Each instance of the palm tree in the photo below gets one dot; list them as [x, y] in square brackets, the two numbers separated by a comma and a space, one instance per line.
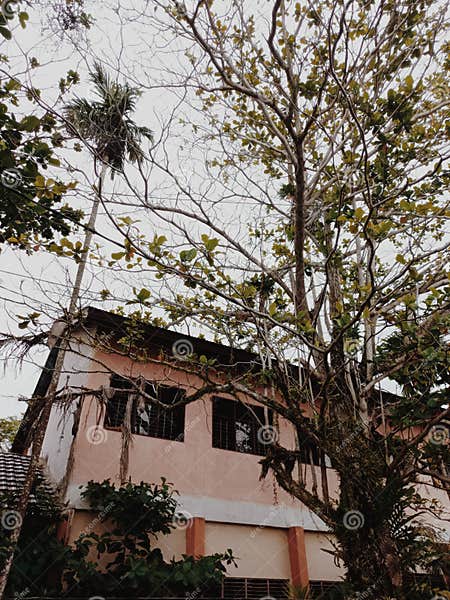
[114, 139]
[106, 123]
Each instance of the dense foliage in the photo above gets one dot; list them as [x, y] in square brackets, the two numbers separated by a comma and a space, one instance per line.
[115, 554]
[8, 430]
[32, 207]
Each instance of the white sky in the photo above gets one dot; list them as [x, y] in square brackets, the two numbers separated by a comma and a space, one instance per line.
[41, 282]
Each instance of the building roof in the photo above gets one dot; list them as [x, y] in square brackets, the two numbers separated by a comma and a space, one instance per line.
[13, 472]
[158, 338]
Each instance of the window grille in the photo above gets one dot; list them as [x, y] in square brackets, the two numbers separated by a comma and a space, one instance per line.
[146, 418]
[323, 589]
[310, 453]
[236, 426]
[254, 589]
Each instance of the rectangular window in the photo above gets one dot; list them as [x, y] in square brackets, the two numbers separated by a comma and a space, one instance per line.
[254, 589]
[324, 589]
[237, 426]
[146, 418]
[310, 453]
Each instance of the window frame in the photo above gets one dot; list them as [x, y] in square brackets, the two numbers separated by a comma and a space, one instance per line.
[179, 414]
[239, 413]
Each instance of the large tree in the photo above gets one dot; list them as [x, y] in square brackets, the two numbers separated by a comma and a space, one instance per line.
[331, 121]
[326, 127]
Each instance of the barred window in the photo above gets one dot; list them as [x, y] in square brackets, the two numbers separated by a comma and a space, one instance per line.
[236, 426]
[319, 590]
[310, 453]
[146, 418]
[234, 588]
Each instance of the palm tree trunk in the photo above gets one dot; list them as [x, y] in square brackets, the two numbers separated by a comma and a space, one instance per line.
[42, 423]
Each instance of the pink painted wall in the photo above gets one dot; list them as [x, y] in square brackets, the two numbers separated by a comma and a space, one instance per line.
[193, 466]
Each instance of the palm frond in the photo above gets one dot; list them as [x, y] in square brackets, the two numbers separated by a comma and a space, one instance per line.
[106, 123]
[101, 80]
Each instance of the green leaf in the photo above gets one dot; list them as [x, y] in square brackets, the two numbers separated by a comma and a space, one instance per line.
[23, 18]
[188, 255]
[5, 33]
[409, 82]
[210, 243]
[143, 295]
[118, 255]
[30, 123]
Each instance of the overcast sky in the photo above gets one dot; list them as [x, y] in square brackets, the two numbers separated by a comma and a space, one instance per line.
[42, 282]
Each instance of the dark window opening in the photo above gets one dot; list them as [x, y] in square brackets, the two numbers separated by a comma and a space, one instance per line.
[254, 589]
[238, 427]
[310, 453]
[146, 418]
[319, 590]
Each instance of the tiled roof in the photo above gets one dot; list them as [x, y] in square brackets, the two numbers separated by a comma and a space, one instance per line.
[13, 471]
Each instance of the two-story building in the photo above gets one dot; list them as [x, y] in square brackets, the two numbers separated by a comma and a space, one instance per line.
[209, 449]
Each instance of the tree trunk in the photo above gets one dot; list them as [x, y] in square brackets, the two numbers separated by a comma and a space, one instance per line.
[42, 422]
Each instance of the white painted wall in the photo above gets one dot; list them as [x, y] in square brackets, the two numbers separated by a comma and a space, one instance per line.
[58, 438]
[321, 565]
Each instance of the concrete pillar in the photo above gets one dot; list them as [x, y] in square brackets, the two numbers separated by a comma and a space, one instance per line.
[195, 537]
[64, 526]
[297, 556]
